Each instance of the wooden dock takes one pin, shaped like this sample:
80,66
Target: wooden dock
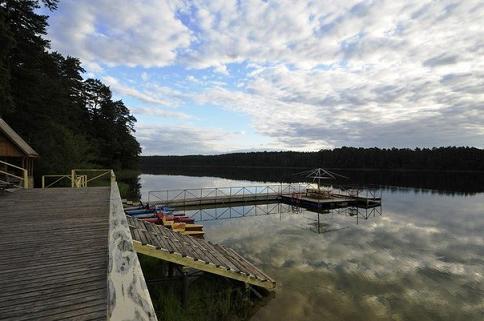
160,242
292,194
332,201
61,259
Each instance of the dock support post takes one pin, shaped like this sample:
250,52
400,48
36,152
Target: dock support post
185,291
170,269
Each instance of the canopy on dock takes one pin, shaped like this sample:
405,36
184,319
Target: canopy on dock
160,242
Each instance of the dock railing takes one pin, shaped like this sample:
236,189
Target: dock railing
78,178
368,192
13,175
226,193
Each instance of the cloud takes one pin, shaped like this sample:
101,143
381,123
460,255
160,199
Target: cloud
183,139
309,75
150,92
440,60
158,112
119,32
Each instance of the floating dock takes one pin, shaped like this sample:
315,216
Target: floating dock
311,202
293,194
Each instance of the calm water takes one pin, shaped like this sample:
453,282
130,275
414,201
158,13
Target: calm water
422,259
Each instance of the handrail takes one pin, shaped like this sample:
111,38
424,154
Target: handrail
79,181
25,177
59,178
10,174
84,180
12,165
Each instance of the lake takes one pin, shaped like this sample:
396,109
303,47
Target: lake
421,259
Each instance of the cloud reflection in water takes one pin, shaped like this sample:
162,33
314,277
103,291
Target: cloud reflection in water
421,260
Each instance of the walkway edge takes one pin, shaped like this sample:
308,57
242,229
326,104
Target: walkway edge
128,296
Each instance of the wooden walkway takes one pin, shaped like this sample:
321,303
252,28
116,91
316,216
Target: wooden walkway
67,254
54,254
212,201
158,241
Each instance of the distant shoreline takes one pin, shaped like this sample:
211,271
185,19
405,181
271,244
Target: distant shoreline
161,167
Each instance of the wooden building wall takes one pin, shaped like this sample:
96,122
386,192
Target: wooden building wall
8,149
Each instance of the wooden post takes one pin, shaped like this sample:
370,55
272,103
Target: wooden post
185,291
170,269
73,176
26,179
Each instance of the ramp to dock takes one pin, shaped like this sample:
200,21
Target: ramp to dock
160,242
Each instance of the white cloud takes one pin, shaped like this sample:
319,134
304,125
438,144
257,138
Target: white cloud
320,74
183,139
158,112
149,93
119,32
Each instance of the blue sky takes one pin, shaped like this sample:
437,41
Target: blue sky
222,76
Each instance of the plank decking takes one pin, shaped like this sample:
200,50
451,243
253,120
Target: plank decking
67,254
54,254
158,241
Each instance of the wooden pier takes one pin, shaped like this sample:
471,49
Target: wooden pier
70,254
67,254
54,246
158,241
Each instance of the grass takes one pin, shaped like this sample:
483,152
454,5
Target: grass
210,297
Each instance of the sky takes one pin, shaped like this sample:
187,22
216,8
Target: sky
207,77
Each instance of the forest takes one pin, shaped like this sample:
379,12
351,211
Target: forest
70,121
433,159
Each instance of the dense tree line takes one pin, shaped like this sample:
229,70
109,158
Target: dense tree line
442,182
442,158
70,121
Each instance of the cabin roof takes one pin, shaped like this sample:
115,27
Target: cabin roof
17,140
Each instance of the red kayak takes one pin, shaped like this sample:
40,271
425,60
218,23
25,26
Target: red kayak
164,217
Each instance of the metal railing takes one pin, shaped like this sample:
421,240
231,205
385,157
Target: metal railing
367,192
20,180
76,180
224,193
233,212
228,193
85,179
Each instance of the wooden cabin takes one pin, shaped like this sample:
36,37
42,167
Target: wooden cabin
14,150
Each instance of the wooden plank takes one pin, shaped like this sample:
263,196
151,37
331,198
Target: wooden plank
238,267
248,267
54,266
191,248
223,261
210,268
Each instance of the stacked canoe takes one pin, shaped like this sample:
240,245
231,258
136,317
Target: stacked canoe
165,216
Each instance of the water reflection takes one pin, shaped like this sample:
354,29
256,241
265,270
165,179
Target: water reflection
322,223
421,260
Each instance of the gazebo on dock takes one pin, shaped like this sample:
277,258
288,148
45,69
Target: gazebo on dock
15,154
